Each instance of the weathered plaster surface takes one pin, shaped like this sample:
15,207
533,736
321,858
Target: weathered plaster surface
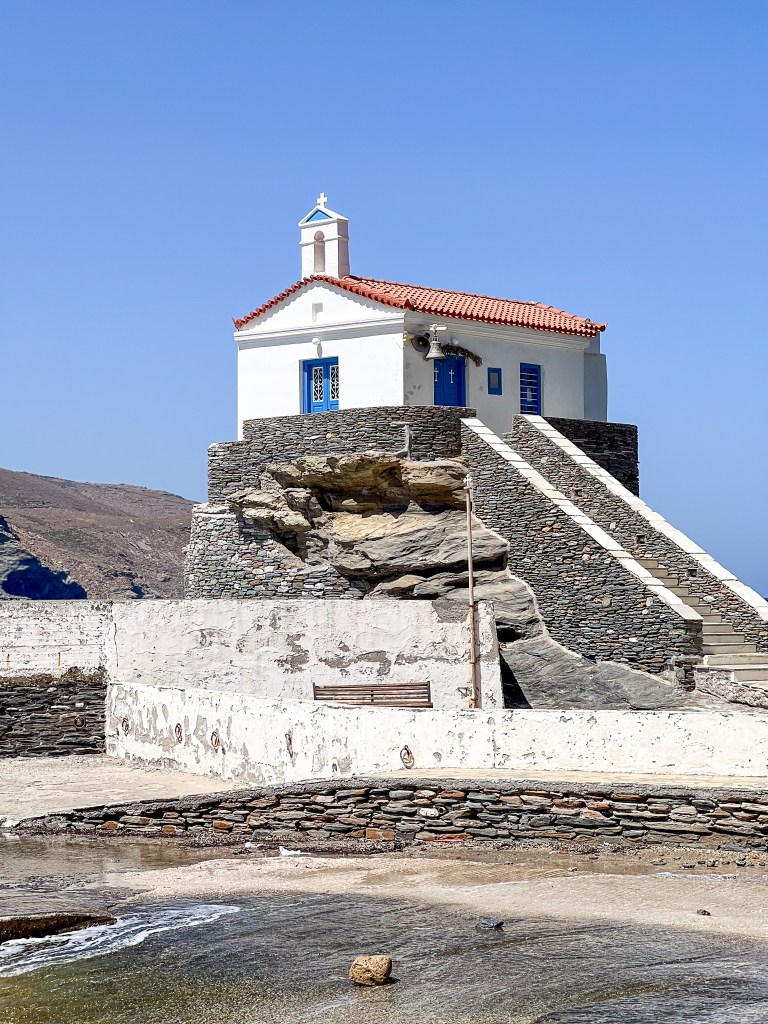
279,649
237,736
49,637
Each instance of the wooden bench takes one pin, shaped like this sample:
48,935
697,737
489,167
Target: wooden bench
382,695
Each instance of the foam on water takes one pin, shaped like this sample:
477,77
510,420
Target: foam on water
20,956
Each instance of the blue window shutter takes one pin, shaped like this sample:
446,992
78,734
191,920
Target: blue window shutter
320,385
494,380
530,389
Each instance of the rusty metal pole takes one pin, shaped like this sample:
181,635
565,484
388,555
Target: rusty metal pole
473,684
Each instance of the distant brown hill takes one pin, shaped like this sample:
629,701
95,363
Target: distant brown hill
63,539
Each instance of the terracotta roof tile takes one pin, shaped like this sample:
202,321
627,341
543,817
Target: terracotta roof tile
455,305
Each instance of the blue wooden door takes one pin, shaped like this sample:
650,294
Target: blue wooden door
321,385
449,380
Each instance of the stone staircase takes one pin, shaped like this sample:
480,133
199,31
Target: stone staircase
732,667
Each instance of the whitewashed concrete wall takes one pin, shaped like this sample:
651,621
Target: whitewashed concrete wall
280,648
50,637
236,736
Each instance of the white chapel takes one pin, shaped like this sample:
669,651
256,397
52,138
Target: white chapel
334,340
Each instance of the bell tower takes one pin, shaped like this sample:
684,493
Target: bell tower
324,241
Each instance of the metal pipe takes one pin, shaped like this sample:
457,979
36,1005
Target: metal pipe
473,682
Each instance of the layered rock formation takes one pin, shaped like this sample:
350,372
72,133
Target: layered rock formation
377,527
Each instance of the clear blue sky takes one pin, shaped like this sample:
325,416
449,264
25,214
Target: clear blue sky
605,157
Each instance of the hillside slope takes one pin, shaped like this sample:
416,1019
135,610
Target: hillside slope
64,539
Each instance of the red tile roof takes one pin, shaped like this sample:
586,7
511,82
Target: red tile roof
455,305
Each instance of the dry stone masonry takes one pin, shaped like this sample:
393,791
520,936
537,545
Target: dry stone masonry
633,524
612,446
47,716
416,432
590,602
426,810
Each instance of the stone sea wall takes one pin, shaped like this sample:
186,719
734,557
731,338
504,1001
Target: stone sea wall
637,528
426,809
46,716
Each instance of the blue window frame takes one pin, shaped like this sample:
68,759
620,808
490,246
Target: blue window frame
320,385
530,389
494,380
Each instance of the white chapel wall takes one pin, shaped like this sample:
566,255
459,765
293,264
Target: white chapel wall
367,339
595,386
562,375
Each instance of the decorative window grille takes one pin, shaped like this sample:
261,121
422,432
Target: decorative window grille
334,382
530,389
317,383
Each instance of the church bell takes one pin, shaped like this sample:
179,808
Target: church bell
435,349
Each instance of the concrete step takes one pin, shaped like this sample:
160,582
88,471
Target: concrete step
728,648
724,628
648,563
716,639
687,596
723,638
739,660
752,674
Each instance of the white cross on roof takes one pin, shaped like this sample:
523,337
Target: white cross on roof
322,199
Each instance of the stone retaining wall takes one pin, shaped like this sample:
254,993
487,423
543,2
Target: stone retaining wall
589,598
43,716
228,557
434,433
640,530
428,810
612,445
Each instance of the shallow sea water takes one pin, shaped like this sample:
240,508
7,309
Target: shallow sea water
283,959
280,959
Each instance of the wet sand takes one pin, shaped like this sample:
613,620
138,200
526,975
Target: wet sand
624,890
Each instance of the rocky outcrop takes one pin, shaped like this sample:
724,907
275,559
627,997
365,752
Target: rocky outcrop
539,673
37,926
376,480
24,576
391,529
378,546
